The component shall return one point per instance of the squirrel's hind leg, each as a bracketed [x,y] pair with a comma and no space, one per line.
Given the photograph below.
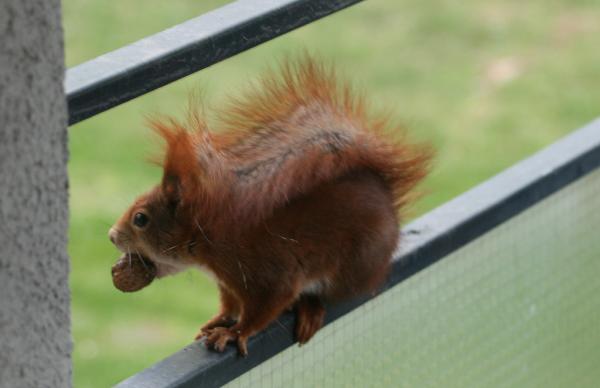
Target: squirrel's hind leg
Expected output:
[309,317]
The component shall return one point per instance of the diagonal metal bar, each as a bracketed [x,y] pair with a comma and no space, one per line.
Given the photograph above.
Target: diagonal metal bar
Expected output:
[121,75]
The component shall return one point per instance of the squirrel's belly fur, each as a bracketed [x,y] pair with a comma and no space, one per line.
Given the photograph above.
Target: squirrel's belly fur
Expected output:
[290,198]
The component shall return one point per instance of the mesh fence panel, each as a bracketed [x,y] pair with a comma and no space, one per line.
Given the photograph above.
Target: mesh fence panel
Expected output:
[518,307]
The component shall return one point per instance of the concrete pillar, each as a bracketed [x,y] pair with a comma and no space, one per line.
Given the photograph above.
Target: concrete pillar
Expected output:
[35,340]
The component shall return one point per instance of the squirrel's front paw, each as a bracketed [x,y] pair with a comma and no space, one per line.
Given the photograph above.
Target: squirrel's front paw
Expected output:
[220,320]
[219,337]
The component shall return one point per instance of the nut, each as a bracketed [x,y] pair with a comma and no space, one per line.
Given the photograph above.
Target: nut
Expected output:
[133,272]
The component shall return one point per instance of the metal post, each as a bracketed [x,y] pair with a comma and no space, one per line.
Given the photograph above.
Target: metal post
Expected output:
[35,339]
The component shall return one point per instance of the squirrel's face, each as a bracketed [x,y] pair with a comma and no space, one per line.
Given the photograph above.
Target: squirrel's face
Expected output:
[162,225]
[151,228]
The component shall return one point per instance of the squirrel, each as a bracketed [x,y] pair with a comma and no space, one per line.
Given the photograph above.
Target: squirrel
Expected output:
[291,200]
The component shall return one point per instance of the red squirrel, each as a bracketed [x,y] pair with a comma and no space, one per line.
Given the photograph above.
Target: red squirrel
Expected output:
[291,200]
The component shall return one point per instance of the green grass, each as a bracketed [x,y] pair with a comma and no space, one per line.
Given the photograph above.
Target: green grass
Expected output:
[487,83]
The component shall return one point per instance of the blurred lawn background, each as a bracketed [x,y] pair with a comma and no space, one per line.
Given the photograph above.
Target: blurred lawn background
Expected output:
[488,83]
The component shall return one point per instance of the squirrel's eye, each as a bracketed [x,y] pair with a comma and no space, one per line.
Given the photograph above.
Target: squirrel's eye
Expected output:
[140,220]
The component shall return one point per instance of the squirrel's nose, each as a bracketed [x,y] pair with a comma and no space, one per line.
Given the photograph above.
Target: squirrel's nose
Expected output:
[112,235]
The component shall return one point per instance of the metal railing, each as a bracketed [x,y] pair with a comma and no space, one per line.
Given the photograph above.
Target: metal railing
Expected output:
[131,71]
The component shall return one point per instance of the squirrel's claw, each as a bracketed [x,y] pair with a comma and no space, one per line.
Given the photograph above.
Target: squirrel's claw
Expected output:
[242,343]
[201,334]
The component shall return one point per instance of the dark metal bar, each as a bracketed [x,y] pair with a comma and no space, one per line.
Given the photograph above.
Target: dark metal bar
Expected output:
[121,75]
[424,242]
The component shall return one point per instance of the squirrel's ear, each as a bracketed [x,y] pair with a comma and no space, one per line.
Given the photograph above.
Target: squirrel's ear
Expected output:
[171,188]
[180,166]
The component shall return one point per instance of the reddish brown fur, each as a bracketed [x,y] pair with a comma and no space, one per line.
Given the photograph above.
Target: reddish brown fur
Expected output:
[291,201]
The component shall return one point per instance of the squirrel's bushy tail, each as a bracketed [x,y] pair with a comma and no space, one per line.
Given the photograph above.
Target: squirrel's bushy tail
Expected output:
[295,129]
[300,126]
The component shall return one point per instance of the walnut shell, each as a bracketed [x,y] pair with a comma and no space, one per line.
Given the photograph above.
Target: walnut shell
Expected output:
[132,273]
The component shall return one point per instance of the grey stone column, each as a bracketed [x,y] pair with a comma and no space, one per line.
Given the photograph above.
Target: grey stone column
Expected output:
[35,340]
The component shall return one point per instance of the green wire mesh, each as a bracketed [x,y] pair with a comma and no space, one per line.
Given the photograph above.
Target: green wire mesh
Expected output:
[518,307]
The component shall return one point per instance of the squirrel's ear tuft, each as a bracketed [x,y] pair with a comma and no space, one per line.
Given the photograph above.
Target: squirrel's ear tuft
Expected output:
[180,165]
[171,189]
